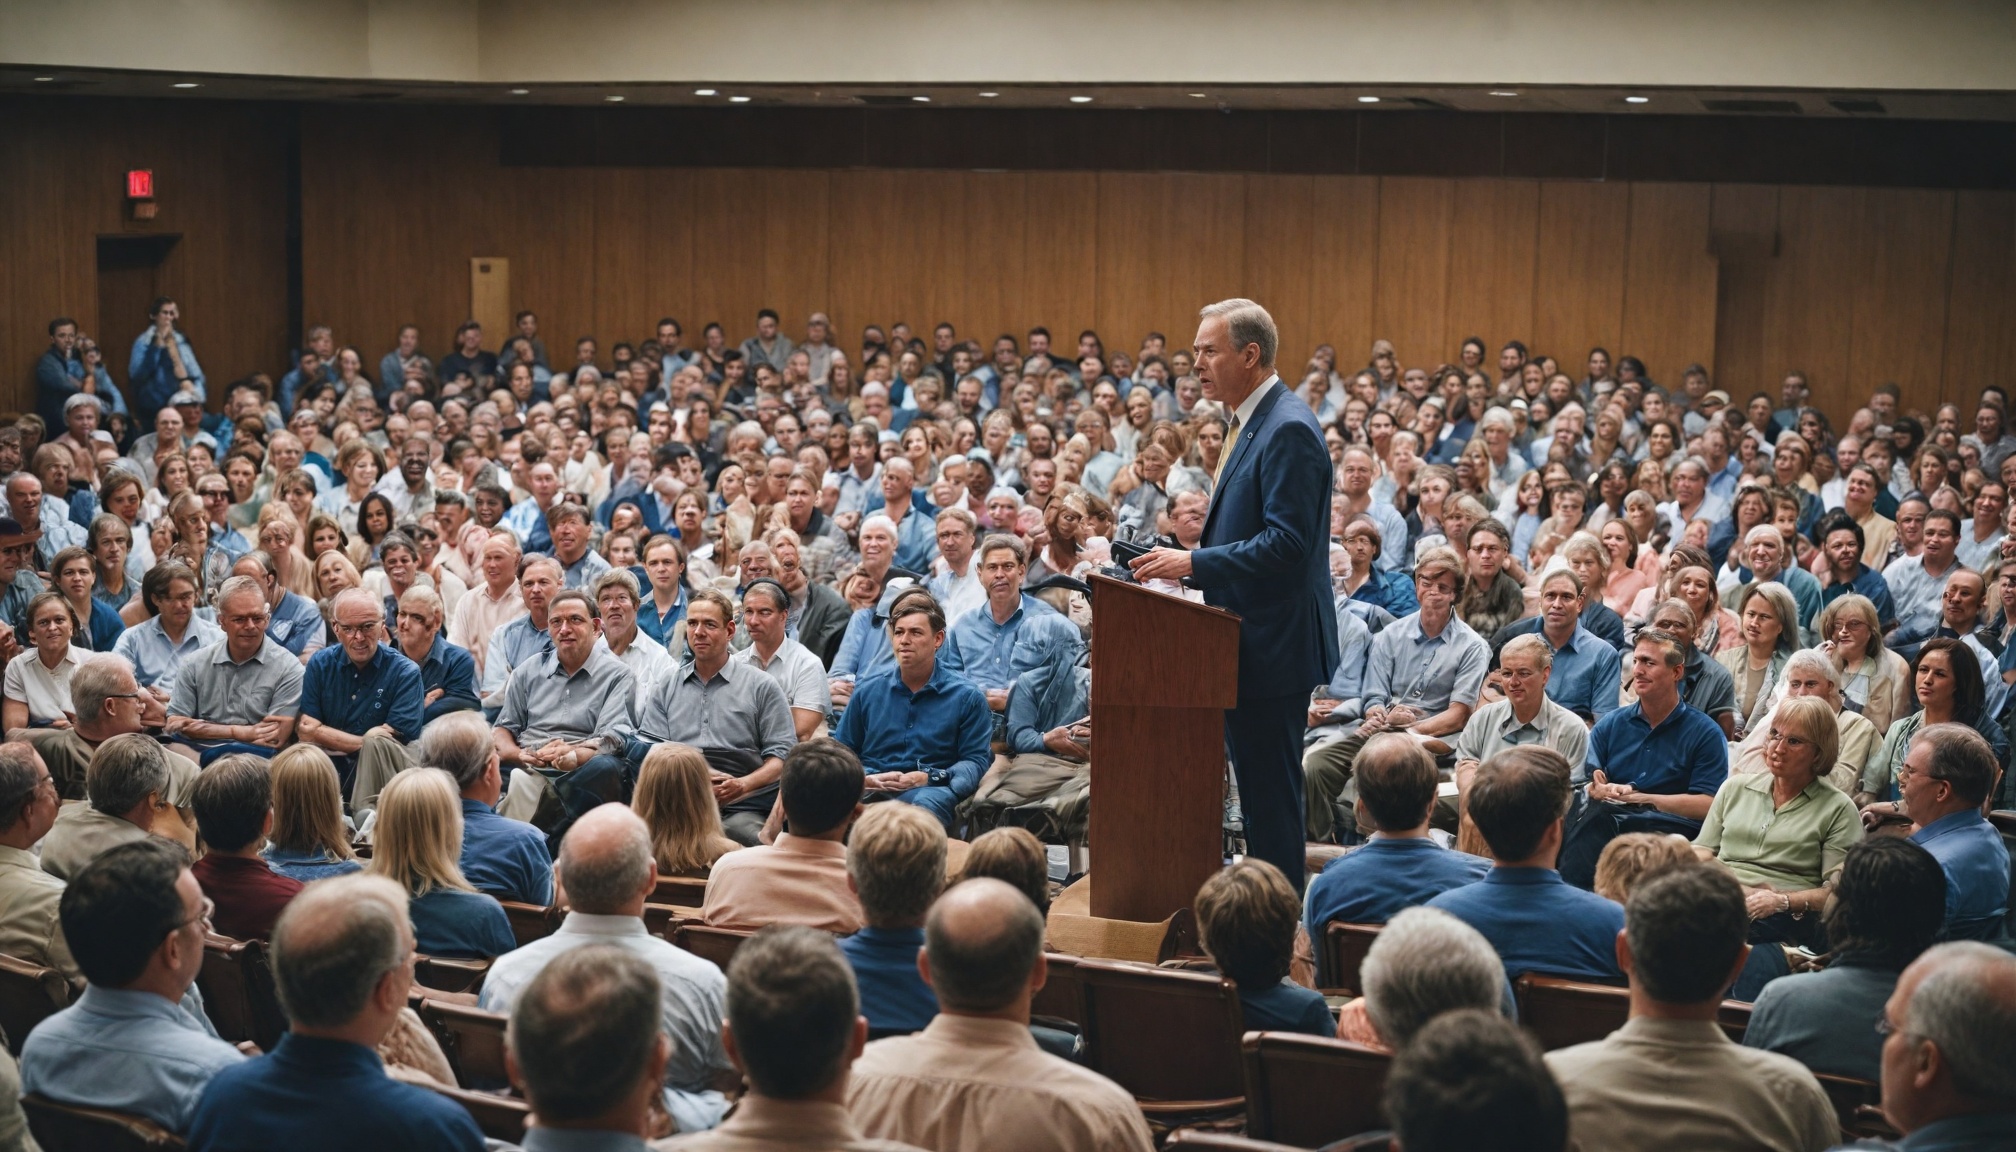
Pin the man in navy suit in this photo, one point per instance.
(1265, 555)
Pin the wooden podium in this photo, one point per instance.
(1164, 670)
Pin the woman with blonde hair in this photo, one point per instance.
(1810, 673)
(1768, 621)
(1873, 678)
(1635, 857)
(676, 801)
(417, 844)
(309, 840)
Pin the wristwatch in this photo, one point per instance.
(938, 777)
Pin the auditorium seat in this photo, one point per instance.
(237, 984)
(1567, 1012)
(500, 1117)
(709, 942)
(1199, 1138)
(449, 974)
(530, 922)
(1858, 1106)
(680, 891)
(664, 919)
(29, 994)
(71, 1128)
(1308, 1091)
(1170, 1038)
(1058, 998)
(1343, 950)
(472, 1039)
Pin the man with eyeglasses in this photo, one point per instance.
(296, 623)
(1945, 777)
(137, 1040)
(215, 492)
(447, 673)
(363, 700)
(105, 699)
(1527, 714)
(29, 801)
(242, 694)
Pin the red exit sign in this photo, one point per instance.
(140, 184)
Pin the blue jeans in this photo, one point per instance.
(602, 780)
(210, 752)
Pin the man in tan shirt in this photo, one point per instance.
(974, 1080)
(128, 783)
(31, 928)
(794, 1030)
(802, 878)
(1670, 1078)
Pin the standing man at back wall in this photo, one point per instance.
(1265, 555)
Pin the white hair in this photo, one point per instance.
(1424, 963)
(881, 523)
(1246, 323)
(1963, 1005)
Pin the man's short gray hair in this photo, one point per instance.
(1497, 416)
(1424, 963)
(1966, 1004)
(96, 680)
(459, 744)
(240, 585)
(362, 596)
(601, 879)
(1529, 644)
(334, 943)
(880, 523)
(1248, 323)
(1762, 532)
(124, 771)
(19, 779)
(1816, 662)
(583, 1031)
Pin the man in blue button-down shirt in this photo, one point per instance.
(1010, 634)
(1655, 765)
(1945, 777)
(137, 1041)
(920, 730)
(362, 700)
(1587, 670)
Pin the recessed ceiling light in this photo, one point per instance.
(188, 84)
(521, 91)
(1197, 95)
(989, 95)
(1368, 99)
(738, 99)
(1081, 99)
(921, 99)
(703, 91)
(1503, 93)
(613, 99)
(44, 79)
(1637, 99)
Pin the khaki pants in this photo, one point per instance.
(1030, 777)
(380, 759)
(521, 800)
(1326, 774)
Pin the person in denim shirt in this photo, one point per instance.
(162, 363)
(921, 731)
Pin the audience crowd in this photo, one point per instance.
(366, 661)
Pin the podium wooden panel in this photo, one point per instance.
(1164, 670)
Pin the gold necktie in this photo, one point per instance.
(1225, 456)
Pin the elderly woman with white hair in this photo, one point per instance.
(1424, 963)
(1810, 673)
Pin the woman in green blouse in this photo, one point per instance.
(1785, 833)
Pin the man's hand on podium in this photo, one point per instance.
(1162, 564)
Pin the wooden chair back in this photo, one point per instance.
(500, 1117)
(1170, 1038)
(1204, 1138)
(1309, 1091)
(664, 919)
(680, 891)
(1565, 1012)
(70, 1128)
(710, 942)
(1858, 1107)
(472, 1039)
(1342, 952)
(29, 994)
(237, 983)
(1058, 997)
(448, 974)
(530, 922)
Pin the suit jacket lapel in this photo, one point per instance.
(1237, 448)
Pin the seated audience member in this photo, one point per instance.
(975, 1078)
(802, 878)
(1943, 784)
(1246, 917)
(921, 731)
(447, 673)
(1842, 542)
(795, 667)
(1401, 865)
(106, 700)
(1810, 673)
(555, 716)
(1528, 714)
(1887, 908)
(241, 694)
(1472, 1081)
(1766, 561)
(675, 797)
(1584, 670)
(128, 785)
(416, 844)
(234, 812)
(606, 870)
(1011, 633)
(309, 840)
(1423, 677)
(1705, 685)
(1949, 688)
(1770, 628)
(1424, 963)
(296, 623)
(502, 857)
(1049, 759)
(525, 634)
(617, 597)
(1785, 832)
(31, 927)
(896, 865)
(733, 712)
(1535, 921)
(1949, 1047)
(1671, 1078)
(581, 1047)
(794, 1031)
(1635, 857)
(36, 688)
(1874, 680)
(361, 700)
(135, 1041)
(1015, 857)
(1655, 764)
(342, 959)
